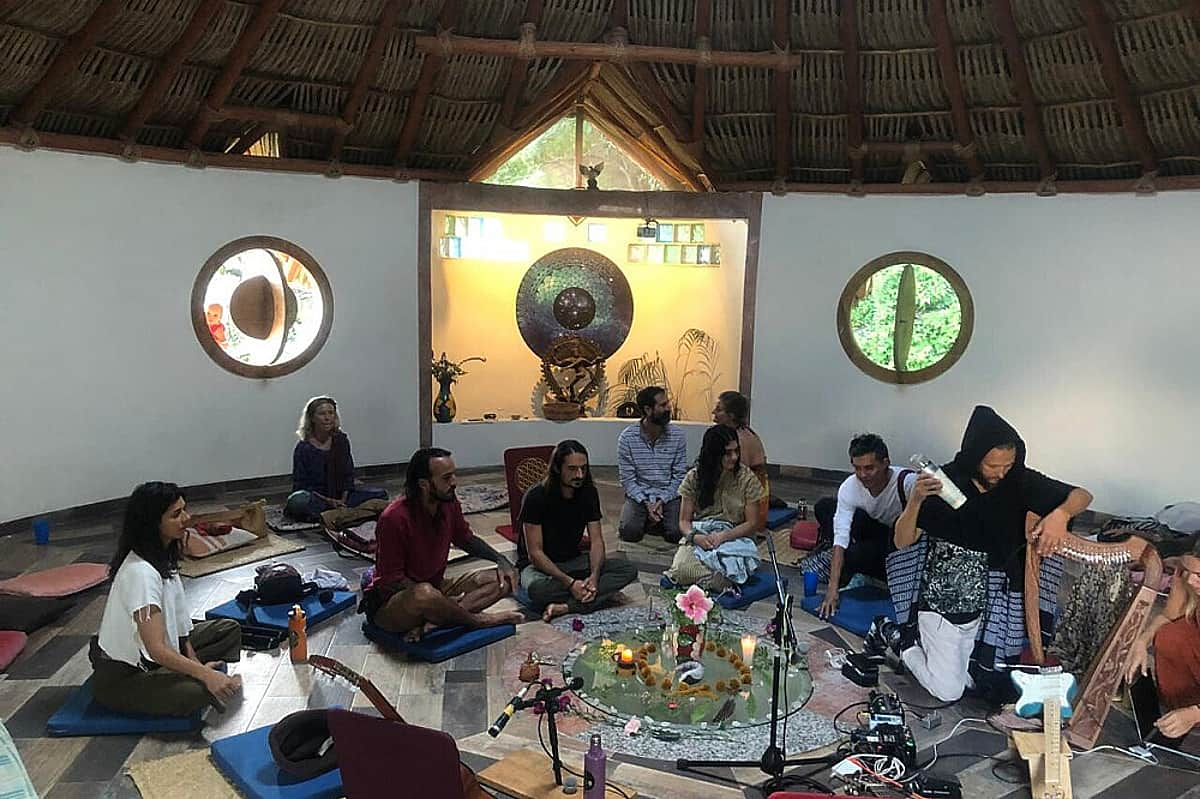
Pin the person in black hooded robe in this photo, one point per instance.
(982, 595)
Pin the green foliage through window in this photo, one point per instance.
(937, 317)
(548, 162)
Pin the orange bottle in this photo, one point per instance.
(298, 634)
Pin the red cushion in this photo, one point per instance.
(61, 581)
(11, 644)
(804, 534)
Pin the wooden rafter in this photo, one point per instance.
(167, 71)
(782, 37)
(367, 70)
(852, 67)
(554, 101)
(447, 19)
(520, 66)
(1031, 115)
(1105, 186)
(235, 62)
(173, 155)
(700, 85)
(280, 118)
(66, 61)
(248, 140)
(943, 42)
(644, 77)
(605, 51)
(641, 149)
(1100, 33)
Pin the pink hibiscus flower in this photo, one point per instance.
(694, 604)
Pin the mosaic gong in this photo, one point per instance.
(574, 292)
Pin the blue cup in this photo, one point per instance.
(810, 583)
(41, 531)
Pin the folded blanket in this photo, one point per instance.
(736, 559)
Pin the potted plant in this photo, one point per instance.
(446, 372)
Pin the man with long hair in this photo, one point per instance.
(554, 514)
(410, 592)
(651, 461)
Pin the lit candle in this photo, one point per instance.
(626, 657)
(749, 643)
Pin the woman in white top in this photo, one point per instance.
(148, 657)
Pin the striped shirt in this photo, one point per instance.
(651, 472)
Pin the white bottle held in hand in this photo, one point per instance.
(951, 493)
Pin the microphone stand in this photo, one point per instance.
(549, 698)
(774, 759)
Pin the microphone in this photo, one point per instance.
(508, 711)
(574, 684)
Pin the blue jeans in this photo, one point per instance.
(306, 506)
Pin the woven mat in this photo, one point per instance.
(182, 776)
(480, 498)
(270, 547)
(282, 524)
(783, 548)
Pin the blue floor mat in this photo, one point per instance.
(276, 616)
(857, 608)
(82, 716)
(778, 517)
(440, 644)
(246, 761)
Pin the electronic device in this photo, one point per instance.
(885, 732)
(933, 787)
(861, 671)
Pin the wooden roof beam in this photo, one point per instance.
(852, 67)
(520, 66)
(447, 19)
(169, 68)
(1100, 34)
(1014, 53)
(700, 84)
(235, 62)
(781, 34)
(66, 62)
(248, 140)
(603, 51)
(368, 68)
(280, 118)
(948, 62)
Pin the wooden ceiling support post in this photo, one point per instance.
(1014, 53)
(1100, 34)
(700, 85)
(852, 67)
(520, 65)
(368, 68)
(169, 68)
(943, 42)
(236, 61)
(447, 19)
(65, 62)
(781, 34)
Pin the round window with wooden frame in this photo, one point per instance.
(261, 307)
(905, 317)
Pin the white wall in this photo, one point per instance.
(105, 383)
(1087, 323)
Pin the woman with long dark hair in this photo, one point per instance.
(148, 657)
(323, 466)
(718, 516)
(733, 410)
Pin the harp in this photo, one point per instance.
(1107, 669)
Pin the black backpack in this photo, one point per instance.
(276, 584)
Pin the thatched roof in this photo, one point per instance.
(988, 94)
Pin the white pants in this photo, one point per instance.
(940, 661)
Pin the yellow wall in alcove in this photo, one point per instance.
(474, 308)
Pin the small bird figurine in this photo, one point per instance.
(725, 713)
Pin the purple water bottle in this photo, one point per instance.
(594, 770)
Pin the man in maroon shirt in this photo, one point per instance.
(410, 592)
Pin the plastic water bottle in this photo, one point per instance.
(951, 493)
(298, 634)
(594, 763)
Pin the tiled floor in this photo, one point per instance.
(460, 696)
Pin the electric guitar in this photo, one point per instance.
(335, 668)
(1049, 694)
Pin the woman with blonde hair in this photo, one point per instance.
(1173, 639)
(323, 466)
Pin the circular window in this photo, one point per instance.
(261, 307)
(905, 317)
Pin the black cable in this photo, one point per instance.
(567, 768)
(1012, 764)
(838, 715)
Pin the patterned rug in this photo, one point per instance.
(282, 524)
(480, 498)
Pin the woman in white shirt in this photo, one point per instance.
(149, 658)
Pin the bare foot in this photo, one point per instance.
(417, 633)
(554, 609)
(504, 617)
